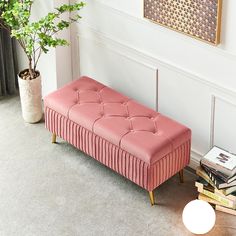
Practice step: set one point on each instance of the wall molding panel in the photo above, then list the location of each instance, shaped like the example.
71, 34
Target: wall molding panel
118, 50
203, 61
87, 31
212, 126
222, 121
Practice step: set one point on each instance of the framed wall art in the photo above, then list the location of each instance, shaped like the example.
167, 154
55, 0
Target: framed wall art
200, 19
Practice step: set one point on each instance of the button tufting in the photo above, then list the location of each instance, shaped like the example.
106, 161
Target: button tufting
124, 123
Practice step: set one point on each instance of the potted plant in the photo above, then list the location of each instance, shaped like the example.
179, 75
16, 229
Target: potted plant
35, 38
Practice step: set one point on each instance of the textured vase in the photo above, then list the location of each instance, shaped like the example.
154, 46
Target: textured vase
31, 99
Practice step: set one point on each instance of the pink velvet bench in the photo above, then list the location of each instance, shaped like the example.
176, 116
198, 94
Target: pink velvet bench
131, 139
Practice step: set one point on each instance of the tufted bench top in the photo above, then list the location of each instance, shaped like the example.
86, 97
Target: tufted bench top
120, 120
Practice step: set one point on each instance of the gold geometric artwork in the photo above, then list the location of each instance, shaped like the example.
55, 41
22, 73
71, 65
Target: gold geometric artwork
200, 19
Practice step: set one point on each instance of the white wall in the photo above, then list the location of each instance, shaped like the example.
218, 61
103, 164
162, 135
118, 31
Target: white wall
55, 67
189, 80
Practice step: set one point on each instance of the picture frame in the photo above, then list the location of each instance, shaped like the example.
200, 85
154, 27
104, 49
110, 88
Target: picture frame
196, 18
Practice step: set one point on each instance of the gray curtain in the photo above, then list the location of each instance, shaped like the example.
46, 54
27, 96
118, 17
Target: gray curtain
8, 65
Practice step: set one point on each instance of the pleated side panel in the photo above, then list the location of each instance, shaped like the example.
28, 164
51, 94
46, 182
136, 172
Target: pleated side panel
139, 172
169, 165
100, 149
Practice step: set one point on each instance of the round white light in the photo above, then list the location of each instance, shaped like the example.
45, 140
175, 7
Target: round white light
198, 217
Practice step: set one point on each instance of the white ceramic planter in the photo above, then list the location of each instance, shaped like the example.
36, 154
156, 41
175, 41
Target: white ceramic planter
31, 99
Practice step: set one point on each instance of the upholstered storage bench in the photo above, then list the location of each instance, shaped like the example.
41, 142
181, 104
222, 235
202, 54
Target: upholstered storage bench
131, 139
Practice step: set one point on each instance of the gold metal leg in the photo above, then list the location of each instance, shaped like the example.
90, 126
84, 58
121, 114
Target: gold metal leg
54, 138
151, 195
181, 176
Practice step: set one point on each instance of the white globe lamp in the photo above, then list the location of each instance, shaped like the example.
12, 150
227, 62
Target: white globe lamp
199, 217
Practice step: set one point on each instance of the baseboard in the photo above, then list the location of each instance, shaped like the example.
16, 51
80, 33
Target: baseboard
195, 160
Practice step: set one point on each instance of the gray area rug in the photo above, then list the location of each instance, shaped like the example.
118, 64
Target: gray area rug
56, 190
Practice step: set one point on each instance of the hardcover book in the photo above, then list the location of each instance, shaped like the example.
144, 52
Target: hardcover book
226, 191
208, 199
219, 183
225, 209
202, 184
220, 160
219, 174
222, 199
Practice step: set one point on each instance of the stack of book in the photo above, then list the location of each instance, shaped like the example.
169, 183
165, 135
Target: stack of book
217, 180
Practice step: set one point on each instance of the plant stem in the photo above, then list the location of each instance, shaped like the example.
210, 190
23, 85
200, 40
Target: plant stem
30, 68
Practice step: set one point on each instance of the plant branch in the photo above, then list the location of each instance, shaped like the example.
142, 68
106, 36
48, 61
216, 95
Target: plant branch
39, 55
22, 45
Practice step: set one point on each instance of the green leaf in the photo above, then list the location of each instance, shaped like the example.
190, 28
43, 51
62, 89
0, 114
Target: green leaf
37, 36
